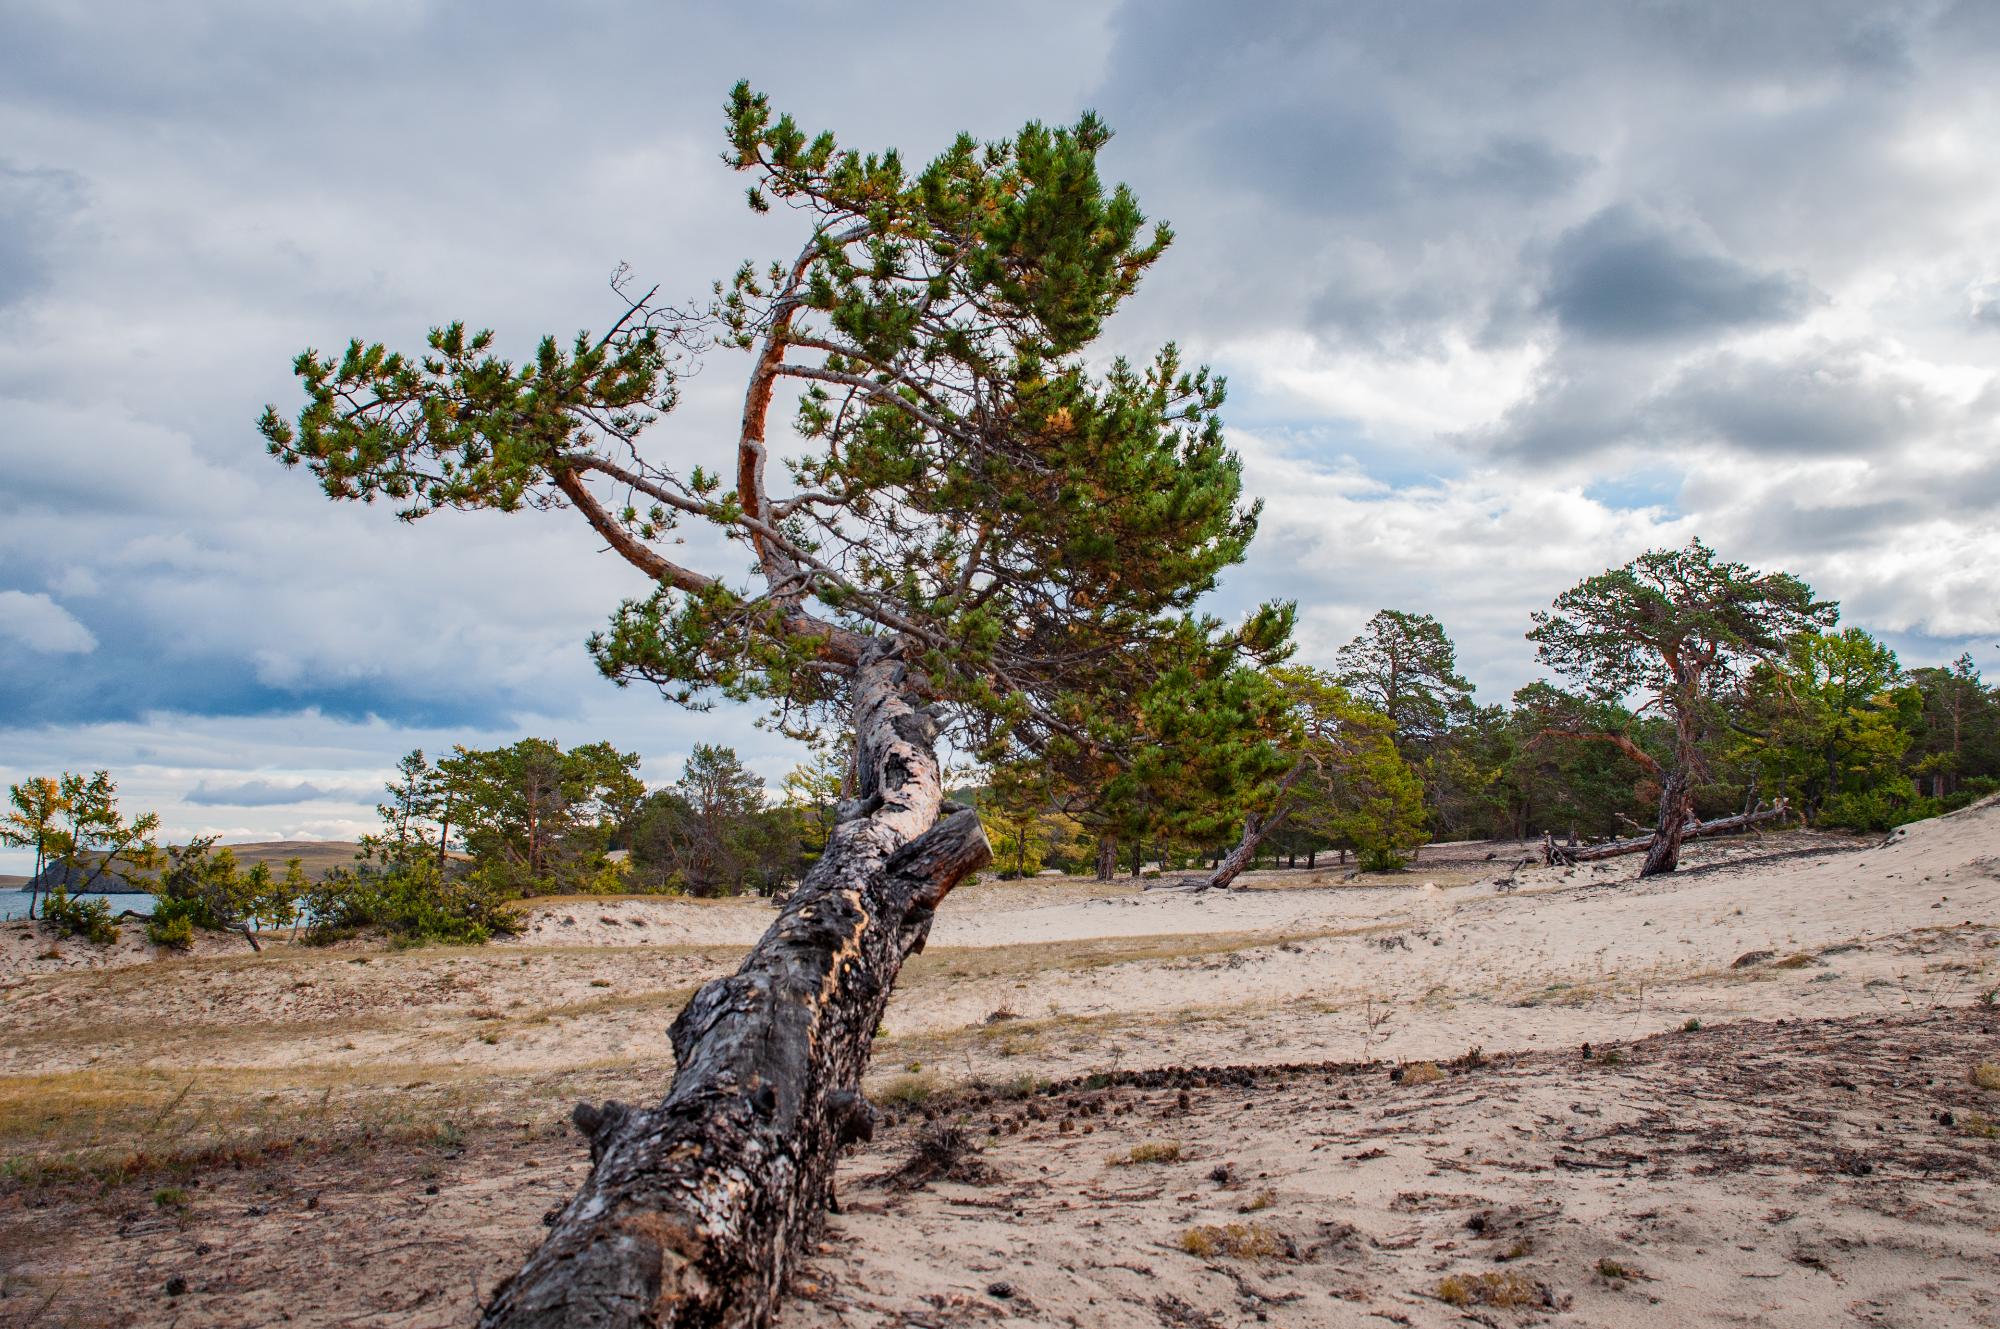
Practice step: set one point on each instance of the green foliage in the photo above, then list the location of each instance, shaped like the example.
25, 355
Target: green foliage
713, 833
412, 900
33, 818
532, 817
1034, 533
1406, 668
204, 888
172, 924
1675, 624
1382, 860
1828, 724
88, 919
1681, 628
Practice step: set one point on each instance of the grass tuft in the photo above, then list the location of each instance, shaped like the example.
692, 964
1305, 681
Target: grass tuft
1490, 1289
1986, 1075
1155, 1151
911, 1090
1234, 1241
1422, 1072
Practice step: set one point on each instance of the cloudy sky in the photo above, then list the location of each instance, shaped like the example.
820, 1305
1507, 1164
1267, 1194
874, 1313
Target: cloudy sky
1505, 294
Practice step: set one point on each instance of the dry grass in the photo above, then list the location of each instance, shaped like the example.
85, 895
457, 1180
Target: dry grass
1986, 1075
1422, 1072
1155, 1151
1504, 1290
1234, 1241
909, 1090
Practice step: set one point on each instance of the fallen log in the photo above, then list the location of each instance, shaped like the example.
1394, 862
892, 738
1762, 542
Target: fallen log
1567, 855
697, 1209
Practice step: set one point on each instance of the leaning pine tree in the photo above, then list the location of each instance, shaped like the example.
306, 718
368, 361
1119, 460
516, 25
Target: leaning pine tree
1680, 628
980, 536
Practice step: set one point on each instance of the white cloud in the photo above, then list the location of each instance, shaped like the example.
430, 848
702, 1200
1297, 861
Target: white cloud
39, 623
1370, 207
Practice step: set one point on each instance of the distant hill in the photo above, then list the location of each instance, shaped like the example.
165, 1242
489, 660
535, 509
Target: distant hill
9, 882
316, 857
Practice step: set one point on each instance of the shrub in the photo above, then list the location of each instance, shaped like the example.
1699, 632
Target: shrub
1157, 1151
1490, 1289
909, 1090
89, 919
412, 901
172, 925
1235, 1241
1422, 1072
1381, 860
1986, 1075
1881, 808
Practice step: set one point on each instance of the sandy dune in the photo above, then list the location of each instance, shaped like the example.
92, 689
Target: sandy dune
360, 1135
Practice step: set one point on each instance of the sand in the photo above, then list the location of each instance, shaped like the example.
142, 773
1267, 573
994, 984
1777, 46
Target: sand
360, 1135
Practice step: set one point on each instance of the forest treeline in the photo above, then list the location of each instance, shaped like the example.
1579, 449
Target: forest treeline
1389, 750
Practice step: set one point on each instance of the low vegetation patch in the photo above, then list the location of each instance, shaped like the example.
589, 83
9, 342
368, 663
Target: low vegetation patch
909, 1090
1235, 1241
1986, 1075
943, 1152
1504, 1289
1422, 1072
1154, 1151
88, 919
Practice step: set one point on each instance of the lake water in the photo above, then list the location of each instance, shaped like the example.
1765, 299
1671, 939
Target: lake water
14, 904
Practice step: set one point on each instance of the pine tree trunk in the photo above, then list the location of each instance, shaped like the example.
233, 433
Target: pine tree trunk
697, 1208
1107, 857
1676, 811
1255, 828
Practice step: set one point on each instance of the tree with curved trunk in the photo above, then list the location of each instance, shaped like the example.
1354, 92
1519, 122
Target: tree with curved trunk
1681, 628
979, 534
1343, 781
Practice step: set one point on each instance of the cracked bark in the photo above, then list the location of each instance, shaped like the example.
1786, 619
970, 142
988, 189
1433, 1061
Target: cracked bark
698, 1208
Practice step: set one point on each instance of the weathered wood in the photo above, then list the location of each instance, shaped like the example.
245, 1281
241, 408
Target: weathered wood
1565, 854
1257, 827
697, 1208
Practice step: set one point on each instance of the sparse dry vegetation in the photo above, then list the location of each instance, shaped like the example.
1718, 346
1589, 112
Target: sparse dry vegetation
1507, 1289
1155, 1151
1234, 1241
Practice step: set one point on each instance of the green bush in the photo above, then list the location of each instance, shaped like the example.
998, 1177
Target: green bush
1381, 860
172, 924
412, 901
1882, 808
89, 919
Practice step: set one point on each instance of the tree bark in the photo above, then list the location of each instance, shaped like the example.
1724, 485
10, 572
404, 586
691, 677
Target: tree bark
697, 1208
1255, 829
1663, 852
1107, 857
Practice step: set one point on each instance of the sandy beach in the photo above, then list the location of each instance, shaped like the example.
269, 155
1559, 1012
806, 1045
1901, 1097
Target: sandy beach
1742, 1094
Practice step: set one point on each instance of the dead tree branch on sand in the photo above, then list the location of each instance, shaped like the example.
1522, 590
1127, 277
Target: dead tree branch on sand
1566, 855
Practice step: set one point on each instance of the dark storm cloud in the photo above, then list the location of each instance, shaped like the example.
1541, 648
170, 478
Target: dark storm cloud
1624, 277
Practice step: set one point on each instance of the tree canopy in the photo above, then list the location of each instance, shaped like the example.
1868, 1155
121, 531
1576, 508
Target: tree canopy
1035, 532
1681, 628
